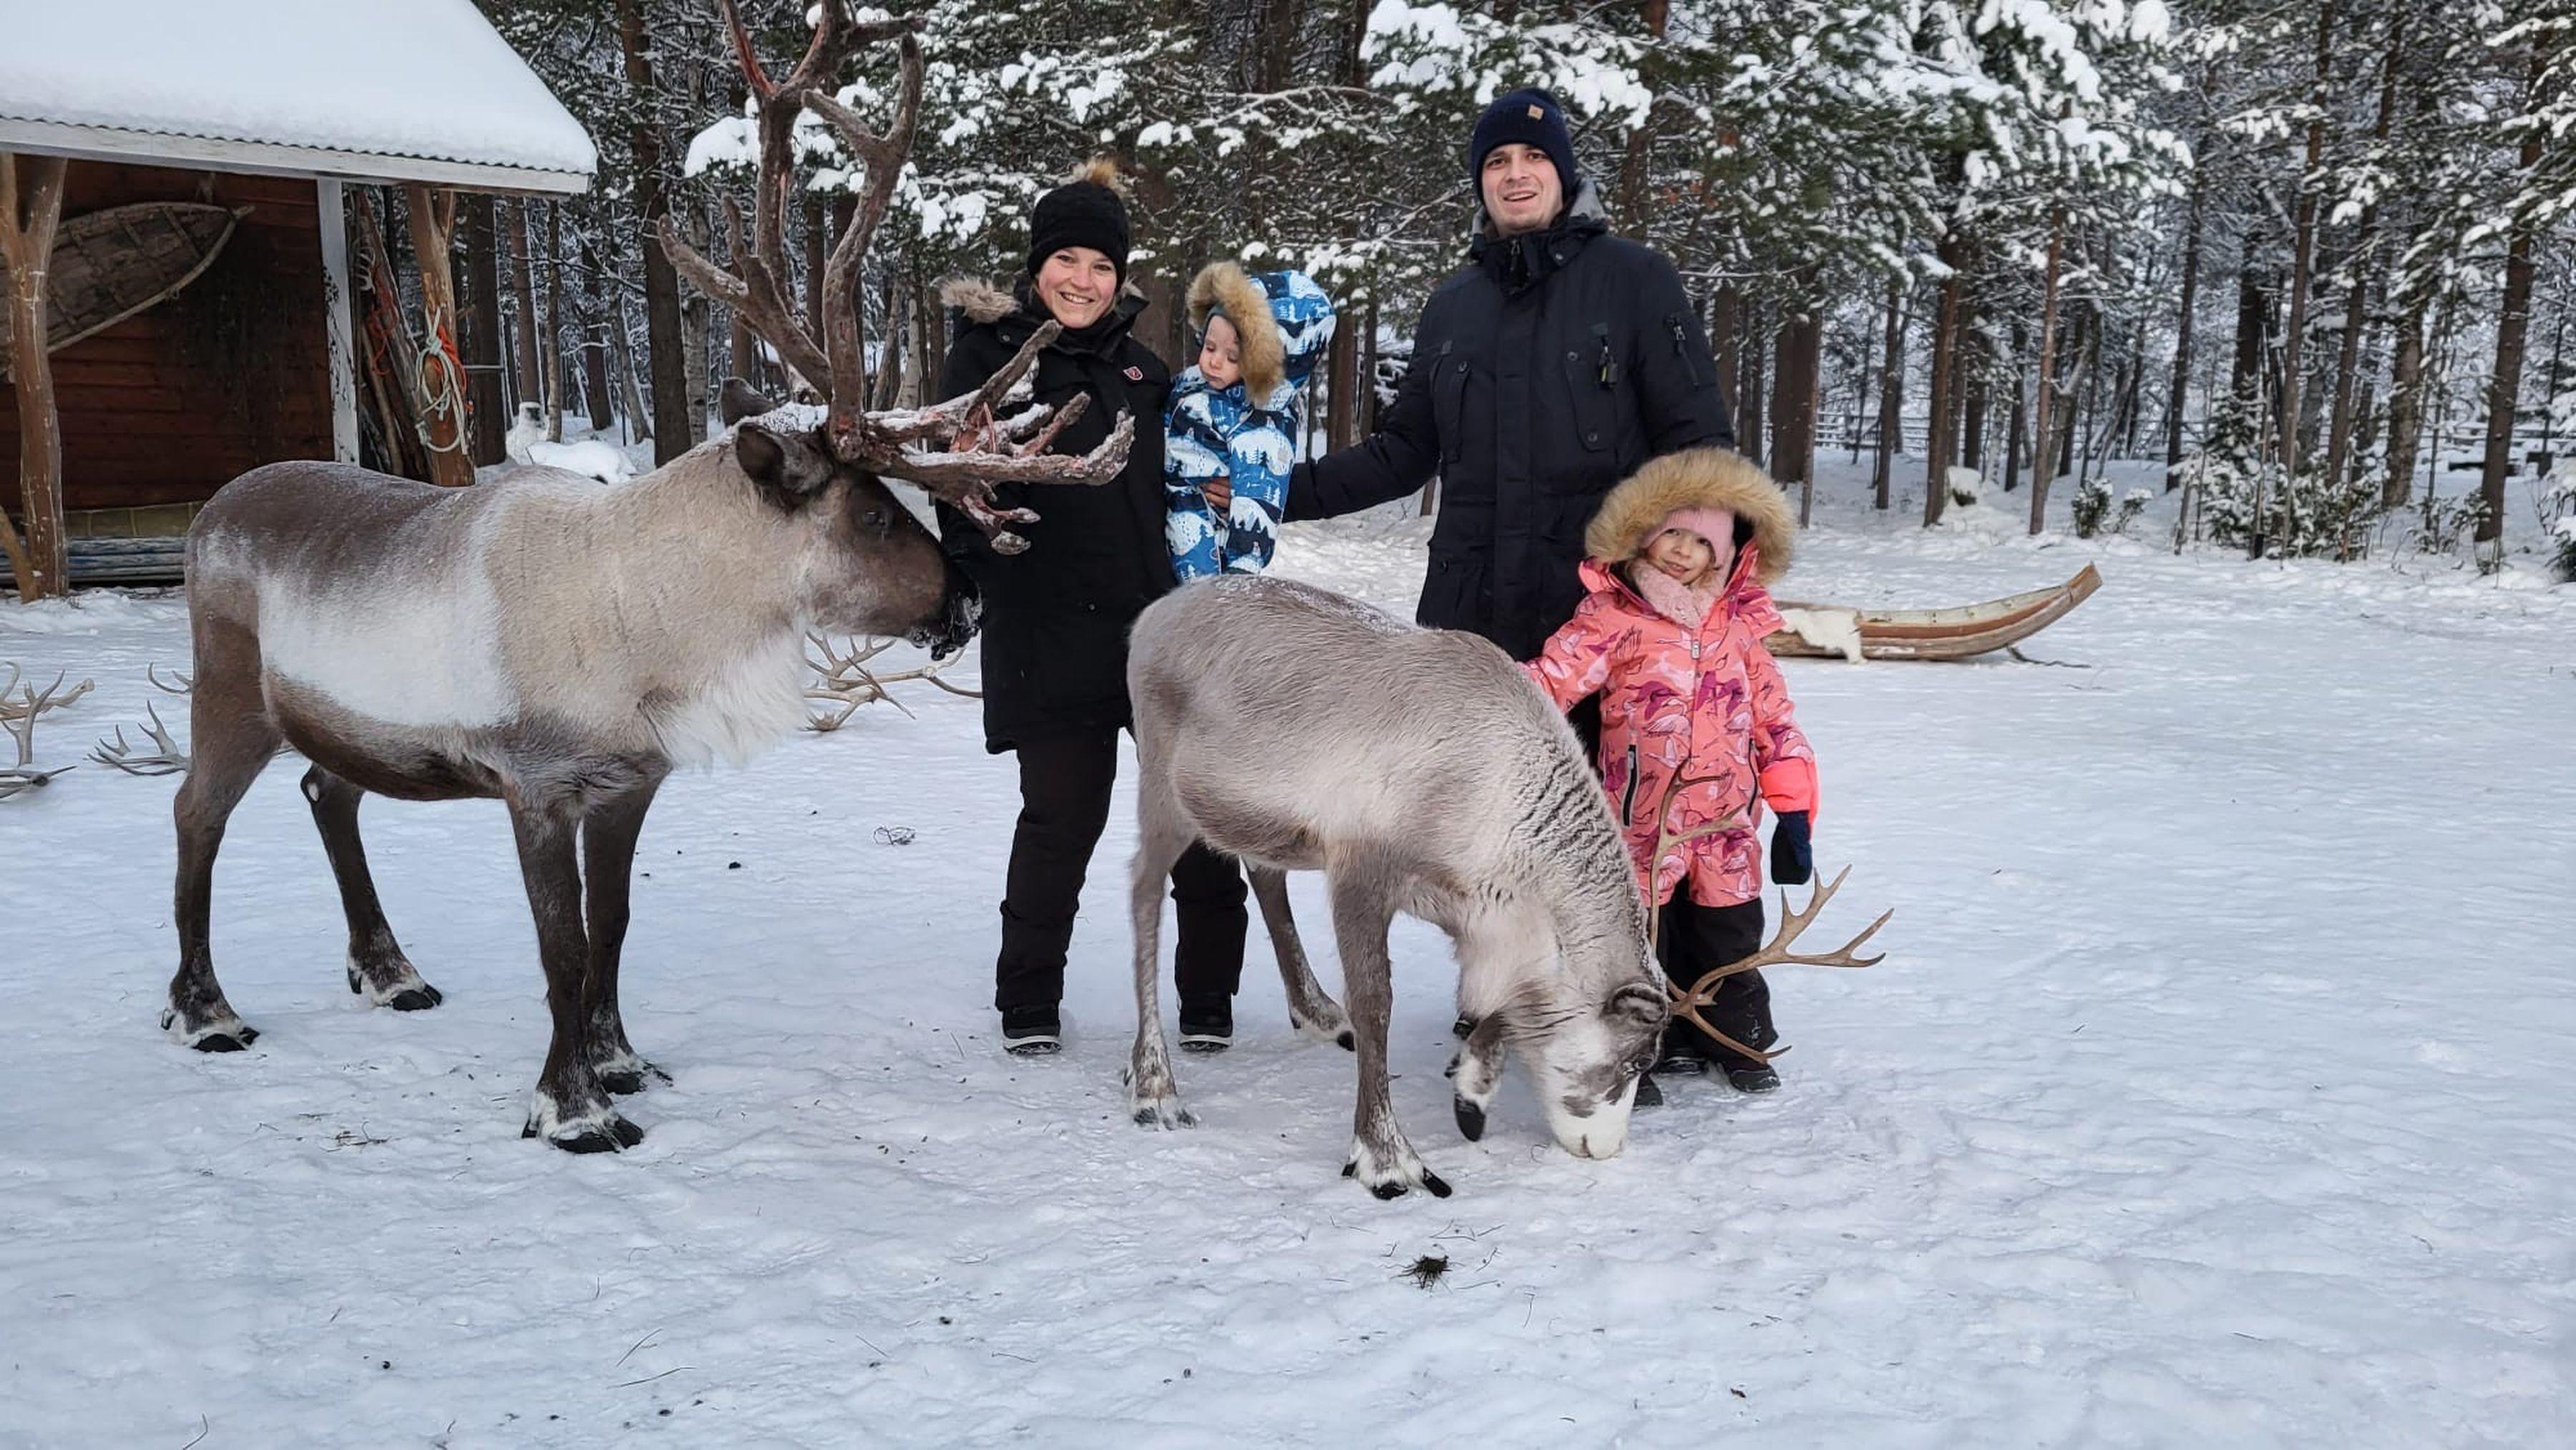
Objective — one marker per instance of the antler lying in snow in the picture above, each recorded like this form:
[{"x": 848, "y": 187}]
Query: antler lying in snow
[
  {"x": 169, "y": 759},
  {"x": 1775, "y": 953},
  {"x": 849, "y": 683},
  {"x": 18, "y": 717}
]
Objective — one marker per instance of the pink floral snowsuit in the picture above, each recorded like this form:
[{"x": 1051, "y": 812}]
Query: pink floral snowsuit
[{"x": 1677, "y": 700}]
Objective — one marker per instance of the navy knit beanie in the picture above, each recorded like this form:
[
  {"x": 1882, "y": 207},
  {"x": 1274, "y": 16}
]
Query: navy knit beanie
[
  {"x": 1084, "y": 212},
  {"x": 1532, "y": 117}
]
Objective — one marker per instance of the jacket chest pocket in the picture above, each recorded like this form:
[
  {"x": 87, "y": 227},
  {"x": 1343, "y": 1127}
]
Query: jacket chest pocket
[
  {"x": 1594, "y": 373},
  {"x": 1449, "y": 401}
]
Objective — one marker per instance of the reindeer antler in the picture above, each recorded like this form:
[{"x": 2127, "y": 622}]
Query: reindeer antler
[
  {"x": 19, "y": 720},
  {"x": 967, "y": 452},
  {"x": 1775, "y": 953}
]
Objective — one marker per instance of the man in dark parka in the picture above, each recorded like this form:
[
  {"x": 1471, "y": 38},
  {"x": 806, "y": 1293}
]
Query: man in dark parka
[{"x": 1546, "y": 370}]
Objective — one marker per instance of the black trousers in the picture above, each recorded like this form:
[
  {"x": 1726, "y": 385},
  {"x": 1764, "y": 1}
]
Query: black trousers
[
  {"x": 1064, "y": 804},
  {"x": 1693, "y": 940}
]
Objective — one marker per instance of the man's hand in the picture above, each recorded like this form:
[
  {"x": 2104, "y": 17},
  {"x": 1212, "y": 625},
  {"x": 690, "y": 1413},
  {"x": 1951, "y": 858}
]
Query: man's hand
[{"x": 1220, "y": 493}]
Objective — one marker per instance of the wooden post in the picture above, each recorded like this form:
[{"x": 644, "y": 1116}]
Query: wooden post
[
  {"x": 440, "y": 385},
  {"x": 31, "y": 206},
  {"x": 338, "y": 338}
]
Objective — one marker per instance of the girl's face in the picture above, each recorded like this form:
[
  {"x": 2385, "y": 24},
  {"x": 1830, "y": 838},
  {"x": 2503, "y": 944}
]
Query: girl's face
[
  {"x": 1221, "y": 353},
  {"x": 1077, "y": 284},
  {"x": 1686, "y": 556}
]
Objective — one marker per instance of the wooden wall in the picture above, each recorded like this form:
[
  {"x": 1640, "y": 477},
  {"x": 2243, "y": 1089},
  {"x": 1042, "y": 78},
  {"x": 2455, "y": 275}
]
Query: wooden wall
[{"x": 167, "y": 406}]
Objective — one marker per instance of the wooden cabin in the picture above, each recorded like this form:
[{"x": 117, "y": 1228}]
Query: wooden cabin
[{"x": 185, "y": 122}]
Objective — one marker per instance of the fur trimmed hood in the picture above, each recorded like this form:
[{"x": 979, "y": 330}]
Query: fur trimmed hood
[
  {"x": 1283, "y": 318},
  {"x": 1695, "y": 478}
]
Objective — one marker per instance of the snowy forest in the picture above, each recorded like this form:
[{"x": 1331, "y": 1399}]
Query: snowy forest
[{"x": 2314, "y": 257}]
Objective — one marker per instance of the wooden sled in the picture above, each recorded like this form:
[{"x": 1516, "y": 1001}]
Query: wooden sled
[
  {"x": 108, "y": 265},
  {"x": 1956, "y": 633}
]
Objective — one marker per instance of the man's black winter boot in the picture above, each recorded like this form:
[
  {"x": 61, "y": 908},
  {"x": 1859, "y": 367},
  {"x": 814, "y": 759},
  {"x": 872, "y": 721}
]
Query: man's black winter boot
[{"x": 1207, "y": 1026}]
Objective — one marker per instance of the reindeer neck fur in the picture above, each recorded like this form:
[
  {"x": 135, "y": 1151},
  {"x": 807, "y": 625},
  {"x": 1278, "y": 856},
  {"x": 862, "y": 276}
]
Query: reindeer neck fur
[
  {"x": 685, "y": 581},
  {"x": 1562, "y": 895}
]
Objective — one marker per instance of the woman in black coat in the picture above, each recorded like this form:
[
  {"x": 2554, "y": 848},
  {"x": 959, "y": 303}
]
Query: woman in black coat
[{"x": 1056, "y": 616}]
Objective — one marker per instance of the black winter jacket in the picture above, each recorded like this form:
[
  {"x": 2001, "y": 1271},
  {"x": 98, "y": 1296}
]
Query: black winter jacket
[
  {"x": 1056, "y": 616},
  {"x": 1550, "y": 368}
]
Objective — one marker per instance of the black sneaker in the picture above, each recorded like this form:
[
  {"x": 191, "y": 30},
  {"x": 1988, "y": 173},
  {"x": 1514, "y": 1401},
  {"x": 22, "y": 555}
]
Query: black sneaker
[
  {"x": 1752, "y": 1077},
  {"x": 1031, "y": 1031},
  {"x": 1207, "y": 1026},
  {"x": 1680, "y": 1060}
]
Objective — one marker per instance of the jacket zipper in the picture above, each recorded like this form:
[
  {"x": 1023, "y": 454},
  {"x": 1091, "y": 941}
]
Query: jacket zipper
[{"x": 1681, "y": 347}]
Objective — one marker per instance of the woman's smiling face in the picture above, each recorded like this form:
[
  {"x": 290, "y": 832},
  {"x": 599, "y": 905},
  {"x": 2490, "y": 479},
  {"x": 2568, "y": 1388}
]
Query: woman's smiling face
[{"x": 1076, "y": 285}]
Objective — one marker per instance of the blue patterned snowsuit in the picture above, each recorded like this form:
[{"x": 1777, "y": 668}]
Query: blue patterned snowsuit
[{"x": 1212, "y": 432}]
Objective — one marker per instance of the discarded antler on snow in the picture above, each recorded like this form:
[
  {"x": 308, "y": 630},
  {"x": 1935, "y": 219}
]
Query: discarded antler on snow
[
  {"x": 849, "y": 683},
  {"x": 1776, "y": 953},
  {"x": 169, "y": 759},
  {"x": 186, "y": 684},
  {"x": 18, "y": 717},
  {"x": 955, "y": 451}
]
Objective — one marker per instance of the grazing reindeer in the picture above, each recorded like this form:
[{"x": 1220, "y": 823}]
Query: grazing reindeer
[
  {"x": 1424, "y": 773},
  {"x": 563, "y": 646}
]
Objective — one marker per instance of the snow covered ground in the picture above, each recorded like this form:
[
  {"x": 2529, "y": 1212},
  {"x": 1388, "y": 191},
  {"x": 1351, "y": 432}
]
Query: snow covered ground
[{"x": 2205, "y": 1098}]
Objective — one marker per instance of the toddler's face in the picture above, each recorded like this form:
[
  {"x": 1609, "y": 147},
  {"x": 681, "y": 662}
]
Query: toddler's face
[
  {"x": 1685, "y": 555},
  {"x": 1221, "y": 353}
]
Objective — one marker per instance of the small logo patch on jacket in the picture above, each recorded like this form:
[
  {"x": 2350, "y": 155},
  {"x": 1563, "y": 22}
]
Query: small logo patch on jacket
[{"x": 1135, "y": 375}]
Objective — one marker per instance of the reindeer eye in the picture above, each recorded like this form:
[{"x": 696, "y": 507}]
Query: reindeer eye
[{"x": 875, "y": 519}]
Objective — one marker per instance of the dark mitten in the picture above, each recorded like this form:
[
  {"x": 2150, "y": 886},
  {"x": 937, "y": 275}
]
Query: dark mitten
[{"x": 1793, "y": 853}]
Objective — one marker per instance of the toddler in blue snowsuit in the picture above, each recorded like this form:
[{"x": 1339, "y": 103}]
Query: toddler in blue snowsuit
[{"x": 1235, "y": 415}]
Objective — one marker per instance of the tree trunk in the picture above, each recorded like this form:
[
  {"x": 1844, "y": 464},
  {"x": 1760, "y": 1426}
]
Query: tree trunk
[
  {"x": 2043, "y": 456},
  {"x": 31, "y": 207},
  {"x": 440, "y": 390},
  {"x": 1724, "y": 327},
  {"x": 2513, "y": 327},
  {"x": 1973, "y": 369},
  {"x": 482, "y": 328},
  {"x": 639, "y": 419},
  {"x": 1793, "y": 388},
  {"x": 1891, "y": 396},
  {"x": 664, "y": 345},
  {"x": 523, "y": 291},
  {"x": 1367, "y": 399},
  {"x": 2183, "y": 320},
  {"x": 1635, "y": 166},
  {"x": 554, "y": 372},
  {"x": 2017, "y": 417},
  {"x": 1749, "y": 423},
  {"x": 1341, "y": 373},
  {"x": 594, "y": 345},
  {"x": 1945, "y": 368},
  {"x": 2294, "y": 333}
]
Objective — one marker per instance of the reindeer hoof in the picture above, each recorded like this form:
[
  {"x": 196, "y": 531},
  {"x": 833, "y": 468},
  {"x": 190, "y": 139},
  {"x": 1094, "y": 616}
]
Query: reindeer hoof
[
  {"x": 1347, "y": 1042},
  {"x": 1163, "y": 1113},
  {"x": 596, "y": 1129},
  {"x": 225, "y": 1033},
  {"x": 415, "y": 999},
  {"x": 626, "y": 1074},
  {"x": 1471, "y": 1120},
  {"x": 392, "y": 983}
]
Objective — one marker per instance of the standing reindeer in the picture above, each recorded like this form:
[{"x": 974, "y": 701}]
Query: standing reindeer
[
  {"x": 562, "y": 646},
  {"x": 1425, "y": 774}
]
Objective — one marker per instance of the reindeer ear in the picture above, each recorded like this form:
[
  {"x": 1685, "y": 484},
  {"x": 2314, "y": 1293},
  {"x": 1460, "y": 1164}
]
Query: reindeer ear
[
  {"x": 1640, "y": 1006},
  {"x": 787, "y": 471},
  {"x": 739, "y": 400}
]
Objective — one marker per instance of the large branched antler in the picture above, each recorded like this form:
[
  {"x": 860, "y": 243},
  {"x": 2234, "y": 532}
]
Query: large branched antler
[
  {"x": 957, "y": 450},
  {"x": 1776, "y": 953}
]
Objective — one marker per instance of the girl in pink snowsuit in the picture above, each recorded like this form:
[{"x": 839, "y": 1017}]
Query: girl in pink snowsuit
[{"x": 1670, "y": 637}]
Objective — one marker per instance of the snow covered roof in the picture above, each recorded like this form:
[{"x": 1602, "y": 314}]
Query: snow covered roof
[{"x": 386, "y": 90}]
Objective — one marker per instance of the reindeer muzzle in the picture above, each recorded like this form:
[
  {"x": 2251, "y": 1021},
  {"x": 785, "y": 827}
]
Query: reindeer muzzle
[{"x": 961, "y": 612}]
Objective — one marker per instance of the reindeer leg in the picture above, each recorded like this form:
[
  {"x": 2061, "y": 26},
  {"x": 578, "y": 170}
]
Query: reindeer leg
[
  {"x": 1161, "y": 838},
  {"x": 1474, "y": 1074},
  {"x": 1311, "y": 1010},
  {"x": 572, "y": 1109},
  {"x": 608, "y": 860},
  {"x": 377, "y": 967},
  {"x": 1363, "y": 905},
  {"x": 232, "y": 740}
]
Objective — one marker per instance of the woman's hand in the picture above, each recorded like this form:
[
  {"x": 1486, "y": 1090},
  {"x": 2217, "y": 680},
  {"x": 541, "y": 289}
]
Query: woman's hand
[{"x": 1220, "y": 493}]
